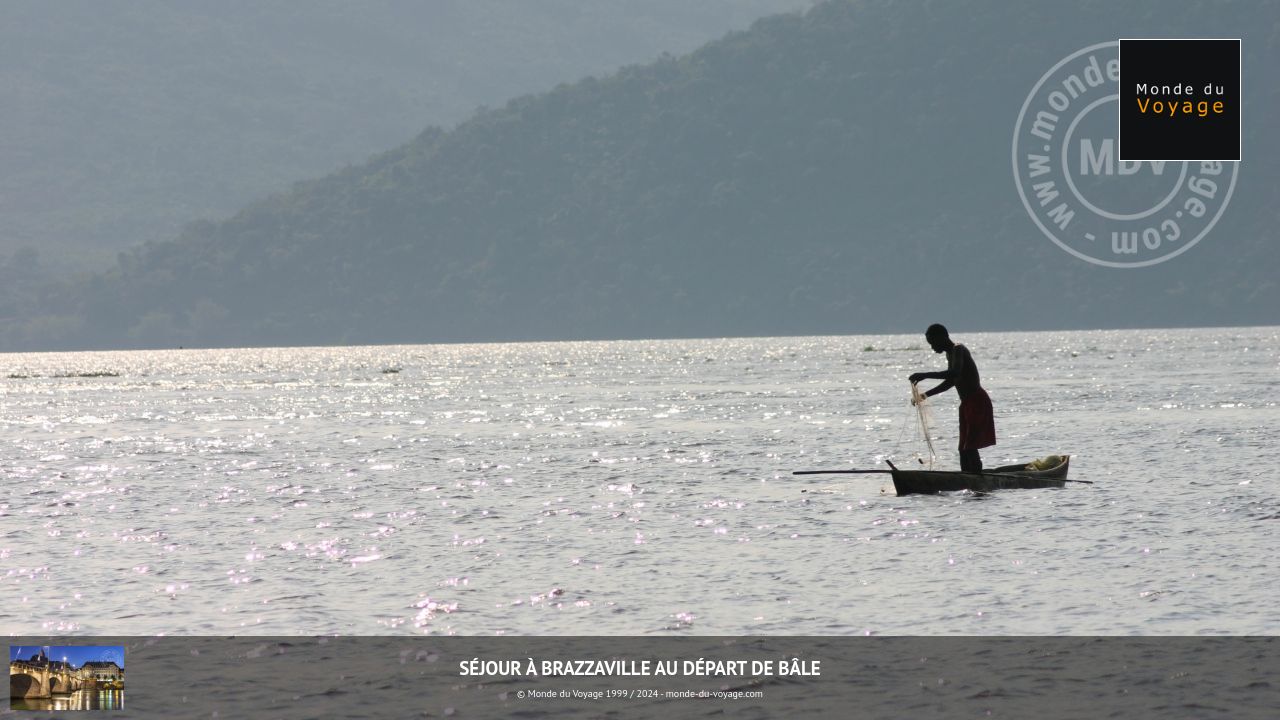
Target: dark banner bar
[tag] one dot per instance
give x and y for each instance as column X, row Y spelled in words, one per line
column 637, row 677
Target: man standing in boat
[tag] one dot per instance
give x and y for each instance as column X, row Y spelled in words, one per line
column 977, row 421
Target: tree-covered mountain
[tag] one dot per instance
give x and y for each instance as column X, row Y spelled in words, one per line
column 124, row 121
column 844, row 170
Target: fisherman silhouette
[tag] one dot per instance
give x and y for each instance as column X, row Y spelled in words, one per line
column 977, row 420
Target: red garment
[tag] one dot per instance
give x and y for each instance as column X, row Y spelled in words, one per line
column 977, row 421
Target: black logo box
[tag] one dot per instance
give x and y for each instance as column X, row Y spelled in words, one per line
column 1186, row 67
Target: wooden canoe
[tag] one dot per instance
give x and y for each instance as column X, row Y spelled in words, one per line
column 1008, row 477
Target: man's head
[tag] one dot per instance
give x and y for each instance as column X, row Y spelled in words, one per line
column 938, row 338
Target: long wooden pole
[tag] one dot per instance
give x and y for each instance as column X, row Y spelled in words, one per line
column 840, row 472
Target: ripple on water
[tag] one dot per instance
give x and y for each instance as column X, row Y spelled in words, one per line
column 634, row 487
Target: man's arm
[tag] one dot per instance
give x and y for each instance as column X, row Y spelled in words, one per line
column 941, row 388
column 917, row 377
column 945, row 386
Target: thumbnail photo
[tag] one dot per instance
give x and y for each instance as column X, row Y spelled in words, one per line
column 66, row 677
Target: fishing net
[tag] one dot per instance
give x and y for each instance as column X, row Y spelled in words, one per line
column 924, row 420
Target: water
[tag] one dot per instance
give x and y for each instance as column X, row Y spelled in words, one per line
column 78, row 700
column 636, row 488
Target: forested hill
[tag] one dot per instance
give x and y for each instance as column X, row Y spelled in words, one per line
column 123, row 121
column 846, row 170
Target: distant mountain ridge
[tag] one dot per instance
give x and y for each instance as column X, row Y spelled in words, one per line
column 123, row 121
column 845, row 170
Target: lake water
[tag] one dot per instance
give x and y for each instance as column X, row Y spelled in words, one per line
column 637, row 488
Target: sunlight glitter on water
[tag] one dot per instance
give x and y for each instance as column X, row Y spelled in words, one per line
column 647, row 483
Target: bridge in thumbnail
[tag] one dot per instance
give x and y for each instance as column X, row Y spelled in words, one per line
column 38, row 677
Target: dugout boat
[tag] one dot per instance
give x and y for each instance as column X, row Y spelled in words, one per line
column 1039, row 474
